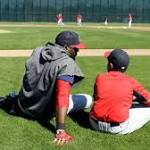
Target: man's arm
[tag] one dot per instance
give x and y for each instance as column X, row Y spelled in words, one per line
column 63, row 89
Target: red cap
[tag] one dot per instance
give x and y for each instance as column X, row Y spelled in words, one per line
column 107, row 53
column 79, row 46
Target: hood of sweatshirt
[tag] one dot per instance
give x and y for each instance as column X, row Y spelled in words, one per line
column 52, row 52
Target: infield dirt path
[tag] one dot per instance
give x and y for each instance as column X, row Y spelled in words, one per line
column 84, row 52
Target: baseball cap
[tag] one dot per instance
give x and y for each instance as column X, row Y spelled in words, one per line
column 119, row 58
column 69, row 38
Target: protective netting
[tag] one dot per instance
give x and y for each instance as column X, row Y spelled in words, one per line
column 91, row 10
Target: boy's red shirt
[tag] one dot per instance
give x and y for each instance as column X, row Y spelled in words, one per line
column 113, row 94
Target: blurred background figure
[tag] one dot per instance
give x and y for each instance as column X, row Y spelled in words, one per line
column 106, row 21
column 130, row 18
column 59, row 19
column 79, row 19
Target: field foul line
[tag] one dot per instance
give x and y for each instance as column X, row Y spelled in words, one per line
column 84, row 52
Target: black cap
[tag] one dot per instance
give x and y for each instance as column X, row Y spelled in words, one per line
column 69, row 38
column 119, row 58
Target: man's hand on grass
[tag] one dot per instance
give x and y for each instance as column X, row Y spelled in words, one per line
column 62, row 137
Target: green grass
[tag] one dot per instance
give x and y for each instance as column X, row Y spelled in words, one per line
column 94, row 37
column 17, row 133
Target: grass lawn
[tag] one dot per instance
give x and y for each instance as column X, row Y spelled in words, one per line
column 27, row 37
column 21, row 134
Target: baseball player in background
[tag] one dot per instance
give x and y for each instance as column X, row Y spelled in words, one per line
column 79, row 19
column 59, row 19
column 113, row 110
column 130, row 18
column 50, row 73
column 106, row 21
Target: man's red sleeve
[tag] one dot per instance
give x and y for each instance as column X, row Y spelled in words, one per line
column 63, row 89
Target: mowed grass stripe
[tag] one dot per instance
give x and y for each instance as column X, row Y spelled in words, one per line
column 31, row 37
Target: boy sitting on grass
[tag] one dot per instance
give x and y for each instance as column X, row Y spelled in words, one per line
column 113, row 110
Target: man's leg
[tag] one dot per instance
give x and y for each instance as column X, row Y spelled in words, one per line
column 78, row 102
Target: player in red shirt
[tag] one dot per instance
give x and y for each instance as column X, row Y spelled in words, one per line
column 130, row 18
column 114, row 92
column 59, row 19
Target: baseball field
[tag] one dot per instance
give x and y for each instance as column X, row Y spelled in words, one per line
column 17, row 133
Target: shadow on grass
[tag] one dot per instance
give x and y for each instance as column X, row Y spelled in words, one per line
column 44, row 123
column 81, row 117
column 14, row 112
column 47, row 125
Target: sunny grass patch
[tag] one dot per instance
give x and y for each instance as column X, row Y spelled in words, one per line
column 93, row 37
column 17, row 133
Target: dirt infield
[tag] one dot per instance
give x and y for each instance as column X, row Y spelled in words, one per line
column 84, row 52
column 6, row 31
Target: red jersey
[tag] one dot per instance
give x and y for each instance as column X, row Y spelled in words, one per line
column 129, row 17
column 113, row 96
column 79, row 17
column 58, row 17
